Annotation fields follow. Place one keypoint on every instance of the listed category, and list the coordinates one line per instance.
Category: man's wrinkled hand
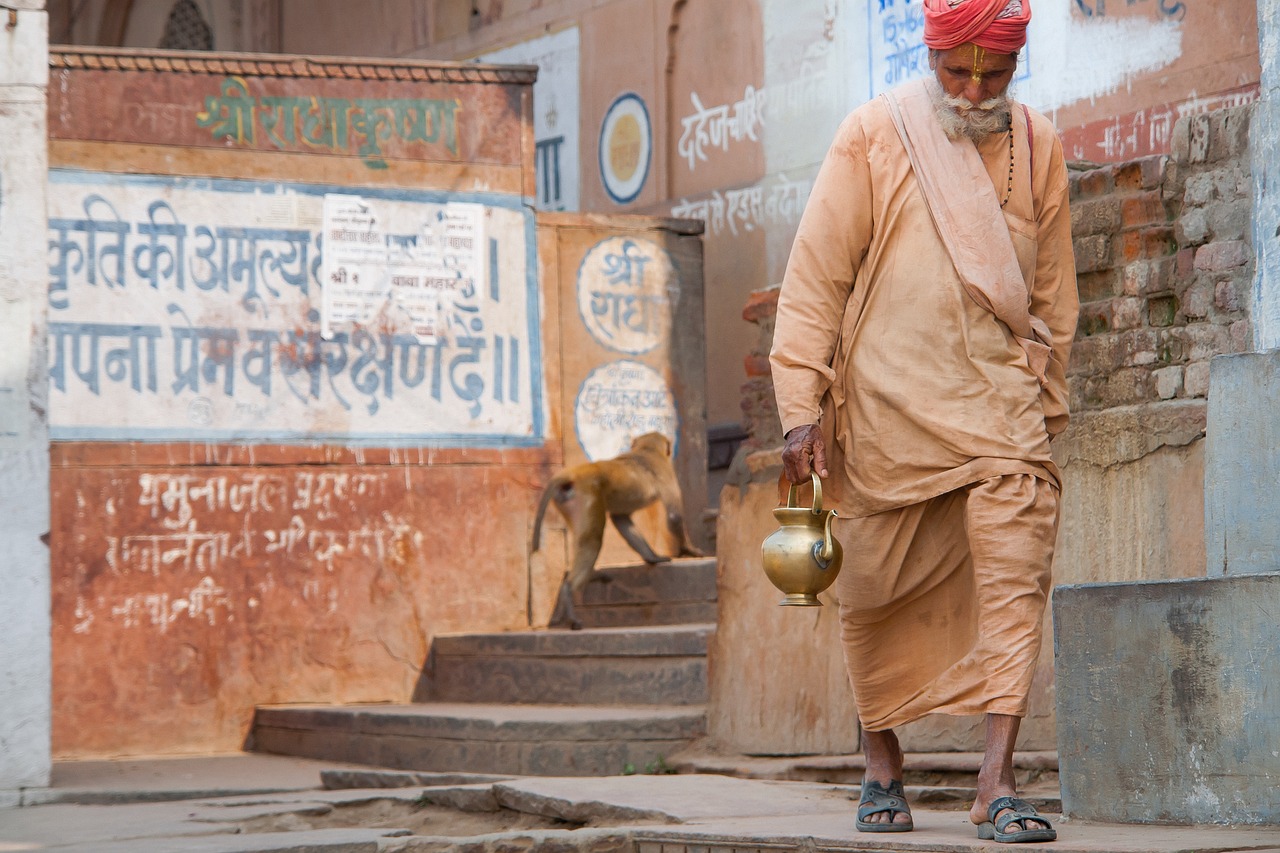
(805, 451)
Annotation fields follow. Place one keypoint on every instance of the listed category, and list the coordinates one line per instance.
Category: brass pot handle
(817, 494)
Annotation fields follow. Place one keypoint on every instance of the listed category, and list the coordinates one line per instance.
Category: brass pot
(801, 557)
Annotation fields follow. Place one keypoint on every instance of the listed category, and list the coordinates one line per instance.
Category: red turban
(998, 25)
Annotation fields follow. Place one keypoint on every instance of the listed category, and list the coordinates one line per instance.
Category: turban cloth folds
(997, 25)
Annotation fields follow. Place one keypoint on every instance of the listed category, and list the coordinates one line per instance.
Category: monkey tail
(542, 510)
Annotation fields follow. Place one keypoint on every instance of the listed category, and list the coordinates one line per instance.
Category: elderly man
(919, 358)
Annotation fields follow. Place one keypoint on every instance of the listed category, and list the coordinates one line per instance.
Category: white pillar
(25, 706)
(1264, 141)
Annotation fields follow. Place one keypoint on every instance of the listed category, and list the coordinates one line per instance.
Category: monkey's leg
(675, 524)
(628, 530)
(588, 540)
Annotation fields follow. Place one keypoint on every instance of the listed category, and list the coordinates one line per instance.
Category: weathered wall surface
(269, 490)
(24, 436)
(1172, 712)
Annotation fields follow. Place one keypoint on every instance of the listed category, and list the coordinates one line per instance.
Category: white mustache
(963, 105)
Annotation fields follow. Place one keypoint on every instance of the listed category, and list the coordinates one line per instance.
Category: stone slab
(1242, 465)
(541, 740)
(669, 798)
(936, 832)
(1169, 700)
(659, 641)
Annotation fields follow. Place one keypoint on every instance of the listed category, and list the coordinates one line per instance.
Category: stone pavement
(261, 803)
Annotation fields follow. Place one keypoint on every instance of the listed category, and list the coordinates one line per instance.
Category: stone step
(678, 592)
(523, 740)
(663, 665)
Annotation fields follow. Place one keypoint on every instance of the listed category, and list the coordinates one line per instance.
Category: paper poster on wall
(207, 309)
(404, 283)
(619, 401)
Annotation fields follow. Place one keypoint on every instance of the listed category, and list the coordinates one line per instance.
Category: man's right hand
(804, 452)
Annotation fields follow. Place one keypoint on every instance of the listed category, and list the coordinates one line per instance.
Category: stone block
(1195, 379)
(1127, 313)
(1167, 704)
(1193, 228)
(1242, 467)
(1199, 190)
(1095, 216)
(1168, 382)
(1093, 253)
(1217, 257)
(1197, 300)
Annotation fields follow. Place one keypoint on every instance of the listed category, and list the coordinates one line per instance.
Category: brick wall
(1165, 273)
(1164, 266)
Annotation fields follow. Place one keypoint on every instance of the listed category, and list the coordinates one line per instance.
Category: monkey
(585, 494)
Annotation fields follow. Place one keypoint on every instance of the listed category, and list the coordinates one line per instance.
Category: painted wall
(310, 344)
(284, 342)
(24, 440)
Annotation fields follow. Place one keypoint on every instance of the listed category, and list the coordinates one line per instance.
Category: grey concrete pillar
(1264, 140)
(1242, 465)
(24, 435)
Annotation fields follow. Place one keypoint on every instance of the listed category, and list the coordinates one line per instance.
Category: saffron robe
(926, 402)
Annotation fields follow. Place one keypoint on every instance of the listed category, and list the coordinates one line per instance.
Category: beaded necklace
(1008, 191)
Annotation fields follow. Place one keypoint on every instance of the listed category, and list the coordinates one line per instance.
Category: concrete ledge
(1169, 700)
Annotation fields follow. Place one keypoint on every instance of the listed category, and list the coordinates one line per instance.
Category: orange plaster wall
(184, 595)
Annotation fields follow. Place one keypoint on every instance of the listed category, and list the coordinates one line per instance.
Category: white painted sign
(191, 309)
(626, 148)
(556, 99)
(620, 401)
(626, 287)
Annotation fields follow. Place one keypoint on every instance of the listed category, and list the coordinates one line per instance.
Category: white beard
(960, 118)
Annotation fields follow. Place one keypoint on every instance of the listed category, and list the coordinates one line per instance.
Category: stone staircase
(622, 694)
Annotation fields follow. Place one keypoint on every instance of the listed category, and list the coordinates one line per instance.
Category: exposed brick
(1186, 263)
(1162, 310)
(1193, 227)
(1231, 136)
(1200, 131)
(1094, 286)
(1232, 184)
(1197, 301)
(1096, 216)
(1149, 242)
(1144, 174)
(1096, 182)
(1172, 346)
(1199, 190)
(1195, 380)
(1145, 209)
(1226, 296)
(761, 303)
(1207, 340)
(1093, 253)
(757, 365)
(1241, 334)
(1136, 348)
(1127, 313)
(1095, 319)
(1168, 382)
(1230, 220)
(1216, 257)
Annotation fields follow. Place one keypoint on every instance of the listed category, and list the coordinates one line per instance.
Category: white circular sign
(626, 147)
(626, 286)
(619, 402)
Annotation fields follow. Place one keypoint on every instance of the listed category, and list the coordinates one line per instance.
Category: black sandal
(1022, 813)
(877, 799)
